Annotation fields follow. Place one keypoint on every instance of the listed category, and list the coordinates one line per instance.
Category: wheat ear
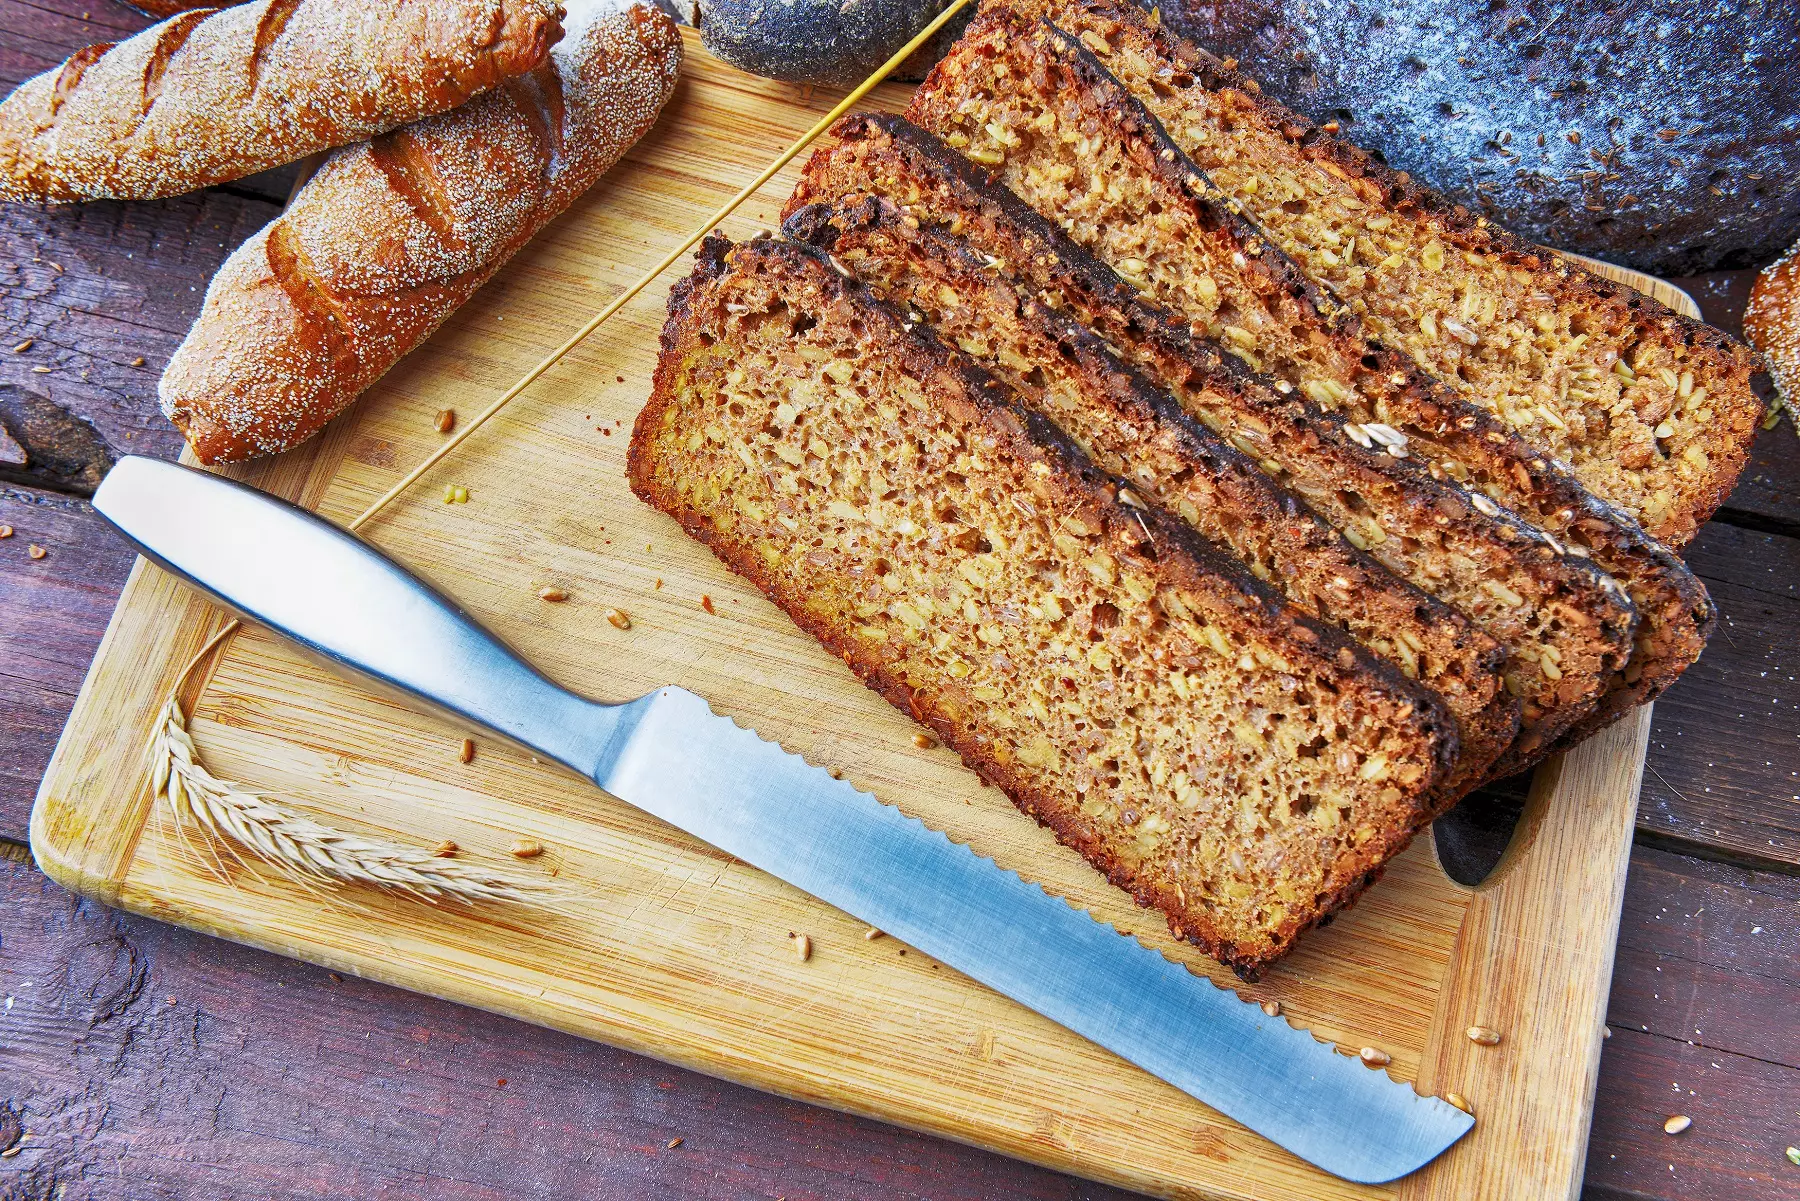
(310, 851)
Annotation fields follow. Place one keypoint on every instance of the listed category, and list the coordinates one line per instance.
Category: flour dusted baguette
(216, 94)
(393, 234)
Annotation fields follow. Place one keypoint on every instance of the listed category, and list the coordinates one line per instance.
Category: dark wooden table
(145, 1061)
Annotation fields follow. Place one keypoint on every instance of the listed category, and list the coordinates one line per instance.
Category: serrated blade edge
(677, 759)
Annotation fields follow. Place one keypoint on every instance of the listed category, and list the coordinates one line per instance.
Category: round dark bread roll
(826, 42)
(1659, 134)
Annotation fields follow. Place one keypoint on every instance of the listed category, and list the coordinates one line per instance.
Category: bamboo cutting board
(677, 951)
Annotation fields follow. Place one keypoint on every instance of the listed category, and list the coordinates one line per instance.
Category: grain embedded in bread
(1227, 760)
(1516, 586)
(1241, 283)
(217, 94)
(1136, 431)
(391, 235)
(1652, 411)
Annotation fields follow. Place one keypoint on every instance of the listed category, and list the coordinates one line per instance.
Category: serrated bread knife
(668, 754)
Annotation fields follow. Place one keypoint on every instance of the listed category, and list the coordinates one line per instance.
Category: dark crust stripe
(1429, 720)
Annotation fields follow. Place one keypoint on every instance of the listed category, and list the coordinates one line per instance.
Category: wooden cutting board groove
(677, 951)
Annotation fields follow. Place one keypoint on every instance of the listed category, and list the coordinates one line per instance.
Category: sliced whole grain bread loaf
(1225, 758)
(1153, 214)
(1651, 410)
(1539, 603)
(1136, 431)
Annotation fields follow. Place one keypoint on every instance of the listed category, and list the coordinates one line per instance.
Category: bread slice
(1651, 411)
(1154, 200)
(1136, 431)
(1537, 602)
(1225, 758)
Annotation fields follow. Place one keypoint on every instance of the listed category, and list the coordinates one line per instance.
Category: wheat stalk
(309, 851)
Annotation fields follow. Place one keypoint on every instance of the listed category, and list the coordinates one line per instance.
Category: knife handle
(335, 595)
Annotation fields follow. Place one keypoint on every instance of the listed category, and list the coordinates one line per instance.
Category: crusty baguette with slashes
(1227, 759)
(393, 234)
(1134, 429)
(213, 95)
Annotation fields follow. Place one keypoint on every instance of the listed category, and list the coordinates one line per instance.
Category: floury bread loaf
(393, 234)
(212, 95)
(1223, 757)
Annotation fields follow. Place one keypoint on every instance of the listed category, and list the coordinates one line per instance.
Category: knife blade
(670, 755)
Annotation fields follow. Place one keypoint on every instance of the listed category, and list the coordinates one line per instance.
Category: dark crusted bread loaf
(1138, 432)
(1233, 763)
(1651, 410)
(1656, 133)
(1564, 624)
(1154, 210)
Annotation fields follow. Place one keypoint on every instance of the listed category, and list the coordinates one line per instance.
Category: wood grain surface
(298, 1095)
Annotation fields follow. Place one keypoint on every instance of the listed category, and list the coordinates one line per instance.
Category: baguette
(1232, 762)
(1652, 411)
(213, 95)
(393, 234)
(1227, 279)
(1136, 431)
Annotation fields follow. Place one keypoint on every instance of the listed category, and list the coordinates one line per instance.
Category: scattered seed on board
(706, 603)
(555, 596)
(1374, 1057)
(1677, 1123)
(6, 531)
(1485, 1036)
(138, 362)
(525, 848)
(24, 346)
(1272, 1008)
(466, 752)
(446, 420)
(1460, 1101)
(924, 742)
(456, 494)
(1605, 1032)
(871, 934)
(445, 849)
(672, 1143)
(618, 619)
(36, 551)
(802, 946)
(1793, 1154)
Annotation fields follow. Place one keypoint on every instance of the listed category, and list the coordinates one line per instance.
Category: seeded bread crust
(1138, 432)
(708, 334)
(890, 157)
(1458, 442)
(1265, 157)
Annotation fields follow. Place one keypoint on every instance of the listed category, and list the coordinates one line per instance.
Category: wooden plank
(55, 610)
(1702, 1018)
(1726, 745)
(269, 1077)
